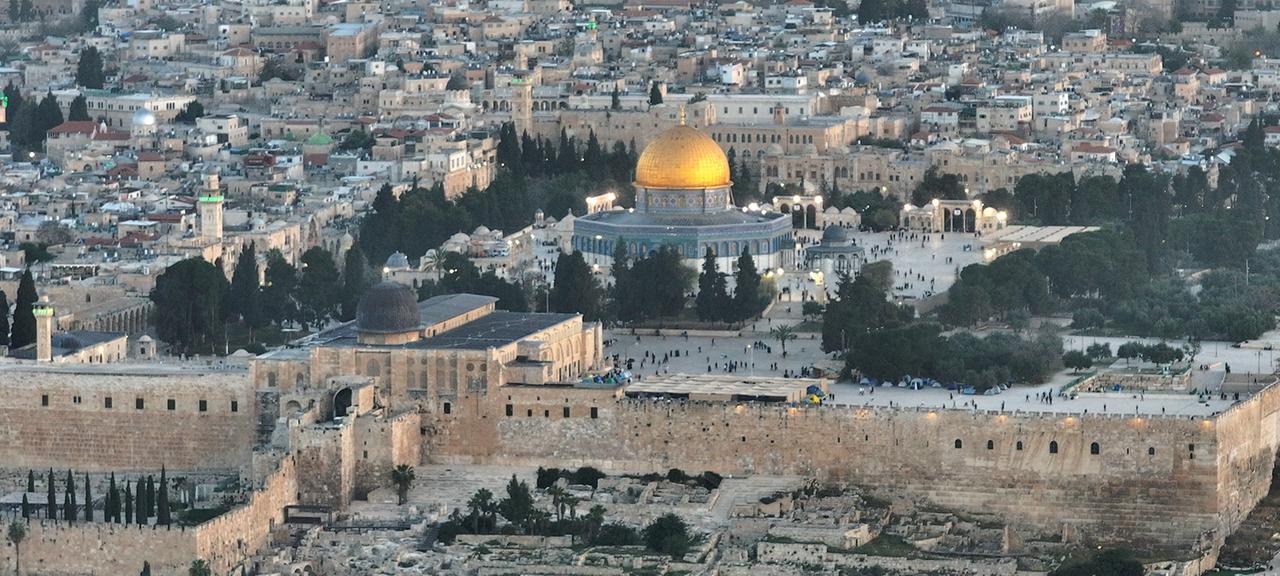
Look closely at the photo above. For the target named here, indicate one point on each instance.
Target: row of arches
(801, 216)
(1094, 447)
(638, 248)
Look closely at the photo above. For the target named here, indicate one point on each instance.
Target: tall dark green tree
(713, 301)
(79, 110)
(111, 513)
(748, 297)
(655, 94)
(615, 99)
(620, 295)
(88, 500)
(162, 497)
(318, 287)
(48, 114)
(4, 322)
(31, 481)
(51, 500)
(575, 288)
(380, 229)
(69, 499)
(356, 279)
(15, 11)
(151, 497)
(128, 503)
(279, 282)
(243, 296)
(89, 72)
(24, 318)
(188, 299)
(26, 507)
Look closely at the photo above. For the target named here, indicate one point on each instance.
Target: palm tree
(557, 495)
(571, 502)
(17, 533)
(480, 505)
(403, 476)
(782, 334)
(199, 568)
(595, 519)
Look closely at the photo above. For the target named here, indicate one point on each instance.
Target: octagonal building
(683, 200)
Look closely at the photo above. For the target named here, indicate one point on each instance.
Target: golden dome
(682, 157)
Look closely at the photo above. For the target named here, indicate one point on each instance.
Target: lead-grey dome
(388, 308)
(834, 235)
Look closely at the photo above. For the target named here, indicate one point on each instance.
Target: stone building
(683, 200)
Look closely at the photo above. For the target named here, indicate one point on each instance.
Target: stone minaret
(44, 330)
(211, 208)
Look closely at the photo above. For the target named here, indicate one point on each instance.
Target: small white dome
(481, 231)
(144, 117)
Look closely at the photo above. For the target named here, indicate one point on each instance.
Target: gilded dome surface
(682, 157)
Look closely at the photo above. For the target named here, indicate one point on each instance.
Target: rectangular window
(171, 404)
(204, 405)
(235, 405)
(44, 399)
(566, 411)
(595, 412)
(510, 410)
(138, 403)
(75, 399)
(448, 408)
(106, 402)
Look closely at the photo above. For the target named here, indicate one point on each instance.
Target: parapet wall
(1158, 481)
(104, 421)
(54, 548)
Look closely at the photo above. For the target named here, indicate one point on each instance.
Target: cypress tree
(162, 506)
(69, 500)
(88, 500)
(746, 292)
(4, 333)
(24, 319)
(31, 481)
(112, 510)
(140, 502)
(655, 94)
(26, 507)
(128, 503)
(51, 504)
(146, 569)
(151, 497)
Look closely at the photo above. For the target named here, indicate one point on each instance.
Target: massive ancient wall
(56, 548)
(99, 420)
(1166, 481)
(230, 539)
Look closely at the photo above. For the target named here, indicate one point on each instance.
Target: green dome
(320, 139)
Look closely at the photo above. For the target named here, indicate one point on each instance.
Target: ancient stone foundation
(1160, 482)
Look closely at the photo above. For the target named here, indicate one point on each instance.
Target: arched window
(1053, 447)
(271, 379)
(991, 445)
(1095, 449)
(1019, 446)
(1151, 451)
(959, 444)
(297, 380)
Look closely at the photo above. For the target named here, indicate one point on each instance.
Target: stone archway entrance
(341, 402)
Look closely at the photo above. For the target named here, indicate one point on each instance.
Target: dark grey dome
(834, 235)
(388, 308)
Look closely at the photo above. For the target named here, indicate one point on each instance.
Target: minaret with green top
(43, 312)
(210, 206)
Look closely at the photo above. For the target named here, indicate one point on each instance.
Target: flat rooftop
(723, 387)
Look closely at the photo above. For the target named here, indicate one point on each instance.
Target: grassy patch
(888, 545)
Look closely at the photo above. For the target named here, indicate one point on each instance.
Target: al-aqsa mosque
(683, 200)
